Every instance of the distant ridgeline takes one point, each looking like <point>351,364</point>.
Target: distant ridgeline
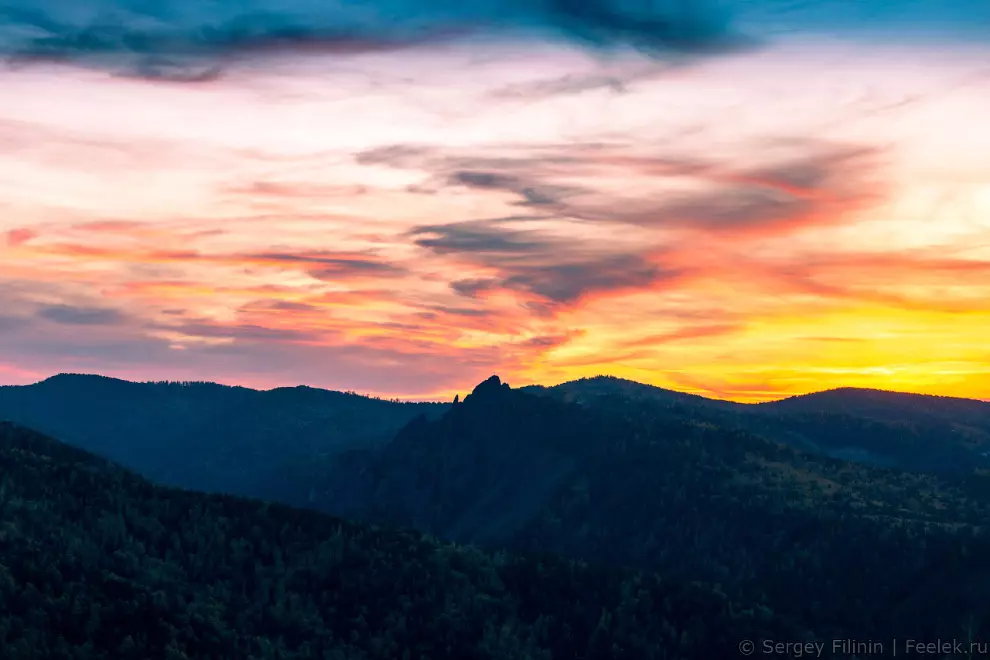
<point>846,513</point>
<point>202,435</point>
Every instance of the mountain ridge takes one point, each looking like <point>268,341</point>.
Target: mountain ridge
<point>830,392</point>
<point>266,443</point>
<point>204,435</point>
<point>712,495</point>
<point>629,484</point>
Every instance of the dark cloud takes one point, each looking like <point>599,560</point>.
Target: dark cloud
<point>809,182</point>
<point>71,315</point>
<point>556,269</point>
<point>726,208</point>
<point>485,180</point>
<point>320,258</point>
<point>174,72</point>
<point>569,281</point>
<point>180,40</point>
<point>482,237</point>
<point>472,287</point>
<point>531,193</point>
<point>470,312</point>
<point>326,265</point>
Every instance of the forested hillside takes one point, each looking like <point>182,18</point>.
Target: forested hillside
<point>203,435</point>
<point>96,562</point>
<point>913,432</point>
<point>848,549</point>
<point>623,475</point>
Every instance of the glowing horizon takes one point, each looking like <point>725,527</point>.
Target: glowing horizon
<point>404,222</point>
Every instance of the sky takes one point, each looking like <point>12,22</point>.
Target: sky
<point>746,199</point>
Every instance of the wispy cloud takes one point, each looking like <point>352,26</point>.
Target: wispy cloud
<point>805,183</point>
<point>70,315</point>
<point>16,237</point>
<point>186,41</point>
<point>553,268</point>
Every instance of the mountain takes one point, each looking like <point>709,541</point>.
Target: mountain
<point>906,431</point>
<point>587,390</point>
<point>913,432</point>
<point>289,444</point>
<point>98,563</point>
<point>847,550</point>
<point>728,496</point>
<point>206,436</point>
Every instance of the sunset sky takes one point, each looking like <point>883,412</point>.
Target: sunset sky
<point>757,199</point>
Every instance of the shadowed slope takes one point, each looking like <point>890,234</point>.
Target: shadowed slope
<point>203,435</point>
<point>622,480</point>
<point>914,432</point>
<point>96,562</point>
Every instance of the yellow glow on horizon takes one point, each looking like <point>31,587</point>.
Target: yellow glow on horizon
<point>294,233</point>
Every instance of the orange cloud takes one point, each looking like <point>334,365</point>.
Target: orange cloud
<point>17,237</point>
<point>415,233</point>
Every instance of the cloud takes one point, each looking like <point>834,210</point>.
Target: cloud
<point>11,322</point>
<point>552,268</point>
<point>279,306</point>
<point>324,265</point>
<point>916,280</point>
<point>320,264</point>
<point>816,187</point>
<point>242,331</point>
<point>617,82</point>
<point>472,287</point>
<point>548,342</point>
<point>562,86</point>
<point>792,184</point>
<point>569,281</point>
<point>173,71</point>
<point>531,193</point>
<point>482,237</point>
<point>294,191</point>
<point>686,333</point>
<point>290,344</point>
<point>182,40</point>
<point>250,355</point>
<point>788,186</point>
<point>71,315</point>
<point>16,237</point>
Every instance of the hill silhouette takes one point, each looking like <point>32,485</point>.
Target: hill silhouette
<point>203,435</point>
<point>285,443</point>
<point>915,432</point>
